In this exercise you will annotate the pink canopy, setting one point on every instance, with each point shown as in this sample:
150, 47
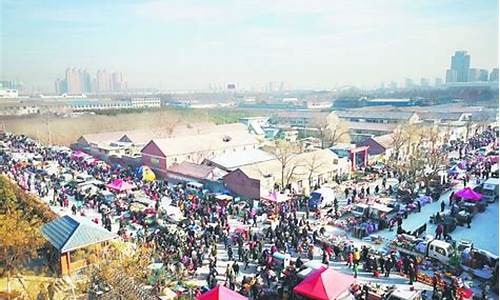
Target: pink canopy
221, 293
324, 284
494, 159
119, 185
468, 194
79, 154
274, 197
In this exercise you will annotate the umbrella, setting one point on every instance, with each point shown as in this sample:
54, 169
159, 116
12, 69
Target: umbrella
145, 173
468, 194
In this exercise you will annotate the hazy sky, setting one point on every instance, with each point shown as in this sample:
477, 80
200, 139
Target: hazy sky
186, 44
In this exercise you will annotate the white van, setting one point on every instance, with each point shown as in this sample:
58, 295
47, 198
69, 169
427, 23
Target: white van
490, 190
325, 197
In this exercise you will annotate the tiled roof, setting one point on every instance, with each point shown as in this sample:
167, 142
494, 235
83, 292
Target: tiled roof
365, 114
205, 142
384, 127
197, 171
385, 140
69, 233
441, 116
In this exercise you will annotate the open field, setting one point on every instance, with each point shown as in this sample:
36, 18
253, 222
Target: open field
64, 131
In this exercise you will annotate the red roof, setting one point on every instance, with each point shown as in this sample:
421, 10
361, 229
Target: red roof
324, 284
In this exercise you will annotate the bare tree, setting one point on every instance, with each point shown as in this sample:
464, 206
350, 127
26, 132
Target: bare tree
285, 152
335, 131
313, 165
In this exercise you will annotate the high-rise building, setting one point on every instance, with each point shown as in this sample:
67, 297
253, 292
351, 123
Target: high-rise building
494, 75
473, 75
483, 75
438, 82
460, 62
60, 86
86, 81
73, 82
116, 81
393, 85
424, 82
451, 75
103, 81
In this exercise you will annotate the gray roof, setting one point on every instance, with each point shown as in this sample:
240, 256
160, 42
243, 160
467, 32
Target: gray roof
69, 233
365, 114
382, 127
484, 116
234, 160
441, 116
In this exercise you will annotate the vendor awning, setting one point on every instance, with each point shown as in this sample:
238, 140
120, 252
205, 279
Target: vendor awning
79, 154
275, 197
221, 293
119, 185
324, 284
468, 194
69, 233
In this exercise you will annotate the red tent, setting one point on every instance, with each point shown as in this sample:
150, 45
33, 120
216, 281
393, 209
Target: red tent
324, 284
468, 194
119, 185
221, 293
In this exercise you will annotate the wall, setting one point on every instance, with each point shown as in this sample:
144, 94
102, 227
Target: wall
154, 158
243, 186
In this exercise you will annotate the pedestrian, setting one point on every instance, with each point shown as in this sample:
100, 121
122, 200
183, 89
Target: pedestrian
412, 273
355, 271
439, 231
349, 259
450, 199
442, 206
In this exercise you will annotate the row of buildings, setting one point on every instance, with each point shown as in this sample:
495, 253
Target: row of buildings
460, 70
226, 157
82, 104
232, 157
79, 81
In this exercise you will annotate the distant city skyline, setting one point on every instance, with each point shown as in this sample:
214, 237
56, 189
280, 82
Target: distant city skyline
188, 45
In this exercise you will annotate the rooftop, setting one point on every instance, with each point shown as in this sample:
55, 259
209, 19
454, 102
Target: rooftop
322, 160
367, 114
383, 127
234, 160
385, 140
197, 171
205, 142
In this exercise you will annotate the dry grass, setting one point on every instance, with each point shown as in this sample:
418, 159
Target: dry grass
64, 131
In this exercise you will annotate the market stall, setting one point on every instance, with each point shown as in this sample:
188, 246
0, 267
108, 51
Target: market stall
120, 186
325, 284
221, 293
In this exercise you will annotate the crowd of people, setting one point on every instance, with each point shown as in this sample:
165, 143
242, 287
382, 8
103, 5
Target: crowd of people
233, 246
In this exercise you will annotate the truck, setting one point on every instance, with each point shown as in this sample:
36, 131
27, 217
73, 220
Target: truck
405, 294
373, 211
426, 247
489, 189
321, 198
